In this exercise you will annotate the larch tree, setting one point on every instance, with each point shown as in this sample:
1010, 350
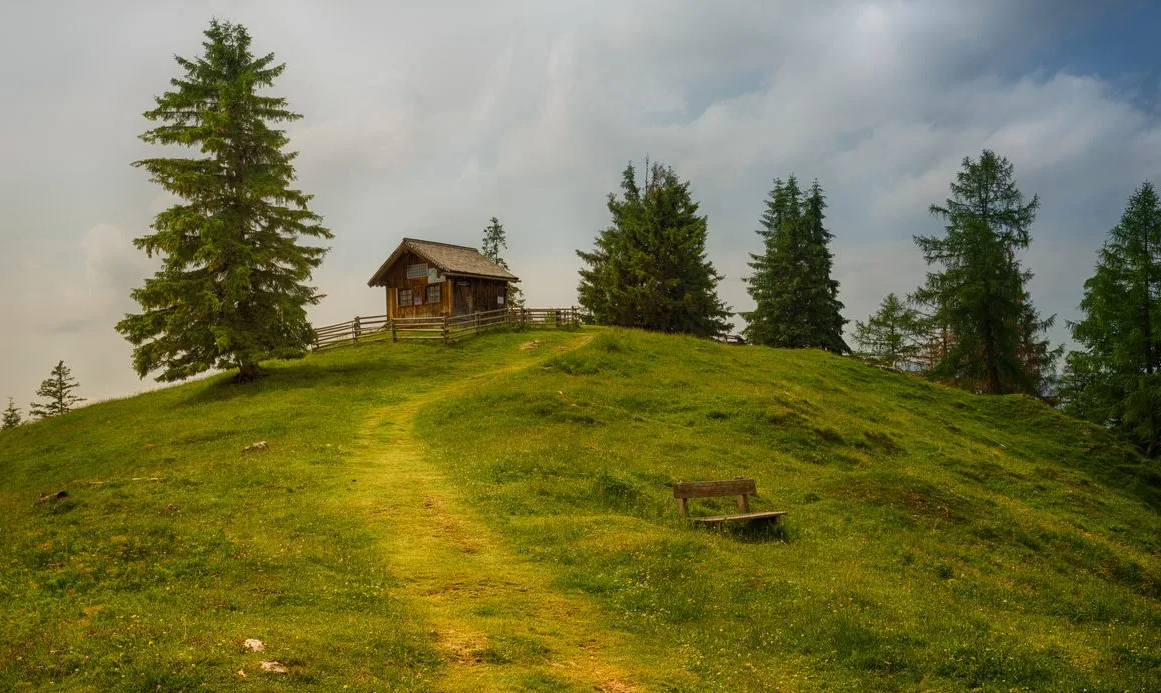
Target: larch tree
11, 417
649, 268
232, 287
493, 242
894, 335
57, 393
1116, 380
979, 294
796, 299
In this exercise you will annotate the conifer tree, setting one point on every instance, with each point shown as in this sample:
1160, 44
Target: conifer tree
796, 300
894, 335
1117, 379
493, 242
231, 290
11, 417
649, 268
57, 391
997, 342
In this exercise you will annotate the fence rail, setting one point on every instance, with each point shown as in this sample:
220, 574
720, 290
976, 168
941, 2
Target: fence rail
443, 328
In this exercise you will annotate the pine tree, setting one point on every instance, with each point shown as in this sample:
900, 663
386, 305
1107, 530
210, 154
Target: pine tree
11, 417
894, 335
1117, 379
796, 300
57, 389
996, 340
649, 269
493, 242
231, 289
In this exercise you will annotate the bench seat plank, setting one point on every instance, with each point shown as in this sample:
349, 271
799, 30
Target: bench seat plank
708, 489
770, 515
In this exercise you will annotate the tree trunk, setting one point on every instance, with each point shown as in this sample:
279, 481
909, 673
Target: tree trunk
1151, 449
248, 371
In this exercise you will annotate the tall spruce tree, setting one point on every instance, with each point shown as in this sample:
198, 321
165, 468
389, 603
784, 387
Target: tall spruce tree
231, 291
57, 391
649, 269
894, 335
1117, 379
493, 242
796, 300
997, 342
11, 417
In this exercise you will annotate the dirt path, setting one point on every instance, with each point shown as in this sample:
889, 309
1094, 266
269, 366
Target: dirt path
493, 614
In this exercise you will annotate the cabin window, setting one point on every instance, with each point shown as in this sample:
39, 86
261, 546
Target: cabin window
405, 297
417, 271
433, 293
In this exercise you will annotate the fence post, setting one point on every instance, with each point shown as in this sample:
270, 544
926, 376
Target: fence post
445, 329
356, 329
477, 322
394, 337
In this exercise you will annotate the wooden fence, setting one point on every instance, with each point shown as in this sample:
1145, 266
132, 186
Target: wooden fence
444, 328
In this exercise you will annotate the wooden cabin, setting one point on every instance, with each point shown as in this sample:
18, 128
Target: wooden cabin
429, 279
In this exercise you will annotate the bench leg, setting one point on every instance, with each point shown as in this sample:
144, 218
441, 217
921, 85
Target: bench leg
743, 504
681, 509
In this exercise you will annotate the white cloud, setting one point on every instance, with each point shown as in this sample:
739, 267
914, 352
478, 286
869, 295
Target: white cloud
426, 121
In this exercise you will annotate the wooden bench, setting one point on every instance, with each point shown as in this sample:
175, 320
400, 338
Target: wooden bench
708, 489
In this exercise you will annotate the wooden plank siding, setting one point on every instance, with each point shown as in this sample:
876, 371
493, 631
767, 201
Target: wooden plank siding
459, 295
397, 279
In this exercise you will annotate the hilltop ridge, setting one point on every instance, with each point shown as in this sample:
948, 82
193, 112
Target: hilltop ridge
496, 515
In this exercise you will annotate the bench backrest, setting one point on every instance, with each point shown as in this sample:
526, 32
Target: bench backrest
707, 489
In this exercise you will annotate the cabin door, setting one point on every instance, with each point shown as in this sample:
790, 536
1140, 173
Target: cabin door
465, 302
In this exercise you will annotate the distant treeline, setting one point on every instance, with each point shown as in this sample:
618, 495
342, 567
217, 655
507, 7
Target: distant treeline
971, 323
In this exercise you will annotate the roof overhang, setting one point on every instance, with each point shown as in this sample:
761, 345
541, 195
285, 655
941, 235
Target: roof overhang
377, 278
480, 276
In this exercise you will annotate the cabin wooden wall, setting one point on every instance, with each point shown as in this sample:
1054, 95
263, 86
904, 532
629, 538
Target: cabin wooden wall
396, 278
458, 295
474, 295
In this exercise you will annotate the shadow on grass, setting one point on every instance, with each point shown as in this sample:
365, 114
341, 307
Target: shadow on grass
755, 532
308, 375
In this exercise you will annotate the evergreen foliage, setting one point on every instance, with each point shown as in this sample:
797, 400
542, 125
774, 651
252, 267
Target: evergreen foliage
231, 289
11, 417
1117, 379
997, 342
649, 268
57, 391
493, 242
796, 299
894, 335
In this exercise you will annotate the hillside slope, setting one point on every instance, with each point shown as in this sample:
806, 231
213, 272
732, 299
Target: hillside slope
497, 516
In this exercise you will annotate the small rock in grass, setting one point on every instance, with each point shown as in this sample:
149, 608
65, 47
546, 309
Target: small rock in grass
49, 497
273, 666
253, 645
255, 447
241, 673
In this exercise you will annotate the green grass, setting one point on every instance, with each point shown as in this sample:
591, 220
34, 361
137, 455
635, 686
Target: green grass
936, 539
174, 546
497, 515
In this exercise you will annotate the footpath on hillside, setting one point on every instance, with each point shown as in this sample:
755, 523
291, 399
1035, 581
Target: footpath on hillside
494, 615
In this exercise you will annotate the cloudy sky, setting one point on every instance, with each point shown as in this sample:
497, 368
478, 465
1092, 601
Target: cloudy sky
425, 119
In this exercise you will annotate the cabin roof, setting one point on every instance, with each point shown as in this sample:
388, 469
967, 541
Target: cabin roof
451, 260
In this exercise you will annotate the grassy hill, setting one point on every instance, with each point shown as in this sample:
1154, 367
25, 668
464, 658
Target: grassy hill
497, 515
